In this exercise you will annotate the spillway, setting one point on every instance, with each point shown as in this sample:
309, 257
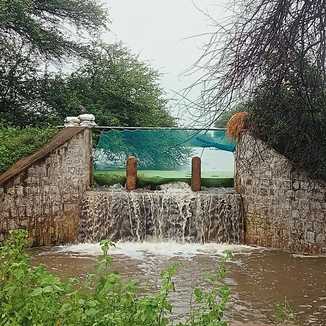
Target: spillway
169, 214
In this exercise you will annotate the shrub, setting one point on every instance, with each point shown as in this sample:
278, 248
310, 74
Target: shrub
290, 115
32, 296
18, 143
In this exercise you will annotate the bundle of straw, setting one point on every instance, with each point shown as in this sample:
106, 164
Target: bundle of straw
237, 124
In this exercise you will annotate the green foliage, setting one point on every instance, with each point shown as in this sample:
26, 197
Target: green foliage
110, 82
207, 311
41, 26
284, 313
114, 85
290, 115
33, 34
18, 143
32, 296
20, 101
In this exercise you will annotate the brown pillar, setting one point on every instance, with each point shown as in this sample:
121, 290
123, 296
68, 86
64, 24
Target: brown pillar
131, 183
196, 174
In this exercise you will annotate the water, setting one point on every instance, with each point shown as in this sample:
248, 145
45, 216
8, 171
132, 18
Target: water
174, 213
258, 278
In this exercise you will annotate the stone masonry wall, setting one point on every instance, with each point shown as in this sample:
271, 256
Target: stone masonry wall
283, 208
45, 197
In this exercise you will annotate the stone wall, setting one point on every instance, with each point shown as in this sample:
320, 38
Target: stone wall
283, 208
44, 194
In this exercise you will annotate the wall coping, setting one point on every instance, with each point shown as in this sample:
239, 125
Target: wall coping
58, 140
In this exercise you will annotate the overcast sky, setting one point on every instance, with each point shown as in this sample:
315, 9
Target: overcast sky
161, 31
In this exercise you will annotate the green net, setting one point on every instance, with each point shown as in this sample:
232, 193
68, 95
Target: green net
163, 155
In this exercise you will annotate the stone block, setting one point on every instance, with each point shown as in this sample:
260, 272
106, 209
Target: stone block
13, 211
23, 223
264, 192
310, 237
296, 185
69, 207
320, 238
29, 211
21, 211
11, 224
295, 213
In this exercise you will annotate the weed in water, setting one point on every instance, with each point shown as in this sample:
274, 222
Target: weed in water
284, 313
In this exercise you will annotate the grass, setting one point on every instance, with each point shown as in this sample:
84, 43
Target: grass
154, 178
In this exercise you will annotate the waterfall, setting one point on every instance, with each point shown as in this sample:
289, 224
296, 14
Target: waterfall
173, 213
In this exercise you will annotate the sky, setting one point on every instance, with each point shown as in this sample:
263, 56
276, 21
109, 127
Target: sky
162, 33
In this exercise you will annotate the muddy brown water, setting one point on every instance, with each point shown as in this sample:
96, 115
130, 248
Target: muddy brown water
258, 278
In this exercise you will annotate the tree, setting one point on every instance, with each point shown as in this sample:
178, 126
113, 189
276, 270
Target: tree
50, 28
34, 34
271, 55
18, 83
110, 82
114, 85
262, 38
280, 116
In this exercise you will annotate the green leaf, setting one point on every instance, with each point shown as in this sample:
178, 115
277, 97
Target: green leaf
48, 289
37, 292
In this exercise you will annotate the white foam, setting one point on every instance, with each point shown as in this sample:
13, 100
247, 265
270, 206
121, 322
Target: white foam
140, 250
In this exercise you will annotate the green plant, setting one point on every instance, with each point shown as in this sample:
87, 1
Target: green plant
284, 313
113, 84
33, 296
210, 304
291, 118
33, 35
18, 143
28, 296
110, 82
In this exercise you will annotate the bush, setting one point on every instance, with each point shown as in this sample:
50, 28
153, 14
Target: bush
291, 117
18, 143
32, 296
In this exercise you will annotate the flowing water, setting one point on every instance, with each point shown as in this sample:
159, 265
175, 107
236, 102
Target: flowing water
258, 278
173, 213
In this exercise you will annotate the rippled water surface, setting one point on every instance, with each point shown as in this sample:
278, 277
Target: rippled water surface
258, 278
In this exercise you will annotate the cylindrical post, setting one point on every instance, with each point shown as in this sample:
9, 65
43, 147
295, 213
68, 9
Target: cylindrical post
131, 183
196, 174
